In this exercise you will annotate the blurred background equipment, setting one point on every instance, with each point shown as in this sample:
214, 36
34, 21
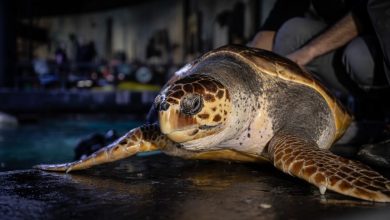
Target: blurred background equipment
53, 52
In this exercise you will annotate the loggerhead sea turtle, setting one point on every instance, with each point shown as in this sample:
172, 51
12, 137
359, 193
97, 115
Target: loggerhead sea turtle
243, 104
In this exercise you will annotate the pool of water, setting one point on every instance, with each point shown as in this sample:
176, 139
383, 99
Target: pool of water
52, 140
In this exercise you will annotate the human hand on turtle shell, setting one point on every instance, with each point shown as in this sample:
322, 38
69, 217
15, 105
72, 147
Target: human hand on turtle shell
302, 56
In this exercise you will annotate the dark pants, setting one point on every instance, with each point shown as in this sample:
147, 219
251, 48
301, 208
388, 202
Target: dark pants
379, 12
357, 58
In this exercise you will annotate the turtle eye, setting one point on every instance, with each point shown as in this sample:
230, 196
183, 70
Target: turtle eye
191, 104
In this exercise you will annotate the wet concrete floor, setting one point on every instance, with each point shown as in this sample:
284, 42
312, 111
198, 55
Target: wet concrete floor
162, 187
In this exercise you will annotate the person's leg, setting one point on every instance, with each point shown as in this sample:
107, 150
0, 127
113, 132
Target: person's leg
359, 63
378, 154
294, 34
379, 12
362, 59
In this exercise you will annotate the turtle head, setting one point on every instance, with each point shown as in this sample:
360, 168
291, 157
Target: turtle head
192, 108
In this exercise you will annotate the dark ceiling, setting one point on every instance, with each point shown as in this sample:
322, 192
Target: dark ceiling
43, 8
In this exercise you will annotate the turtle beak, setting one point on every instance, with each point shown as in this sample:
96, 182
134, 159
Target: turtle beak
165, 117
176, 125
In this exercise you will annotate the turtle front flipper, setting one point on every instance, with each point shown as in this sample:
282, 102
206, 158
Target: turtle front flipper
302, 158
141, 139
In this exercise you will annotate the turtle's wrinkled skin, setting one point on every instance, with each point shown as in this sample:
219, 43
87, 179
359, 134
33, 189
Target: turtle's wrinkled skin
243, 104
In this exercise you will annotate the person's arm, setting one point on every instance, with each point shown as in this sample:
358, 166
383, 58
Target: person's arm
335, 37
263, 40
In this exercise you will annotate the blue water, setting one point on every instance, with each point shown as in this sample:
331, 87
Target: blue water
52, 140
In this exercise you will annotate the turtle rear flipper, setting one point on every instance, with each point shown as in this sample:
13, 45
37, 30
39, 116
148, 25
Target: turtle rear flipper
141, 139
302, 158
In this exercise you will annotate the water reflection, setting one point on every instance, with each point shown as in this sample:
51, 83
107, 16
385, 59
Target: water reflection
99, 184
